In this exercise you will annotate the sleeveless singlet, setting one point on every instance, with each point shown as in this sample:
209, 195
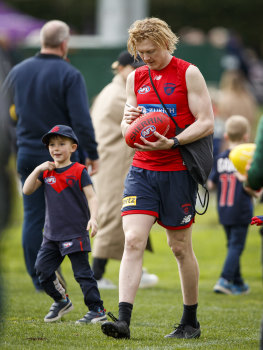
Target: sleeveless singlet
171, 86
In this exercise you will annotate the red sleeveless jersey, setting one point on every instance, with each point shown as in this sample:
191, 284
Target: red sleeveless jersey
171, 86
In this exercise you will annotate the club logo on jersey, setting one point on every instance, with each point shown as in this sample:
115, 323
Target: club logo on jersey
169, 88
51, 180
148, 131
71, 180
157, 77
129, 201
144, 89
67, 244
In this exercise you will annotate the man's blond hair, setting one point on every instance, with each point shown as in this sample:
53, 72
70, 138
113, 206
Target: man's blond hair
153, 29
237, 127
53, 33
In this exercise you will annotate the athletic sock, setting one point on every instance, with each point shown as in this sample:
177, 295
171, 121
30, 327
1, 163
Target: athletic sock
189, 315
125, 311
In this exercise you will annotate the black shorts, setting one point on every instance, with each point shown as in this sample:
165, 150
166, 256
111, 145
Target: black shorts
170, 196
69, 246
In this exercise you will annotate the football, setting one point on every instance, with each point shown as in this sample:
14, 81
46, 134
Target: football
145, 126
241, 155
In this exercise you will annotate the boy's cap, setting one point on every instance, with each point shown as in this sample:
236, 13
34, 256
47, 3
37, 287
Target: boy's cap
61, 130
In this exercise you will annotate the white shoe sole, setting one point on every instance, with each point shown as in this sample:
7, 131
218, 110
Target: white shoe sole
93, 321
222, 290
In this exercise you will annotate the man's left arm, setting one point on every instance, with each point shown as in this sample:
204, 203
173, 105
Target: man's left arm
200, 106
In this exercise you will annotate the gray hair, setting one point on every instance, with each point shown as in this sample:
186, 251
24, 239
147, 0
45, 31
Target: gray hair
53, 33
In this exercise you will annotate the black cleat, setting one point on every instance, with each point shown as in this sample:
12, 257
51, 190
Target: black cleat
183, 331
116, 329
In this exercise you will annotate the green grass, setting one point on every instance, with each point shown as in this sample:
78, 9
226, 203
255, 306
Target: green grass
227, 322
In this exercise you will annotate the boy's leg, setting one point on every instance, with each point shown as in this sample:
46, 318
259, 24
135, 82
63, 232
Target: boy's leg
231, 281
85, 277
47, 262
236, 244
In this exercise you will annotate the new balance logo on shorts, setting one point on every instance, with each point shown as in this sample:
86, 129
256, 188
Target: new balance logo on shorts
186, 219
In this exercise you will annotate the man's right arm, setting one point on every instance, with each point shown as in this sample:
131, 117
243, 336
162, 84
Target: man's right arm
130, 113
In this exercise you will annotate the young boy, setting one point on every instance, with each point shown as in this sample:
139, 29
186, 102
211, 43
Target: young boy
235, 207
71, 211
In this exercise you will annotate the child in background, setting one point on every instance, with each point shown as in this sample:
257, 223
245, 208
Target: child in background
235, 207
71, 211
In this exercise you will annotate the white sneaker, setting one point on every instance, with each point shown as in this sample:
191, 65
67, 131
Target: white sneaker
103, 283
148, 280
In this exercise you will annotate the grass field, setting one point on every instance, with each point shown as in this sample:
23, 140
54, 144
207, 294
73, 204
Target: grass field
227, 322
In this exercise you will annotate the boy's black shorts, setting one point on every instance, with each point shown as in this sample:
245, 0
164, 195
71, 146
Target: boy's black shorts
69, 246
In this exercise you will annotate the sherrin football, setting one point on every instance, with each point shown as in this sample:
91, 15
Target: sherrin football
145, 126
241, 155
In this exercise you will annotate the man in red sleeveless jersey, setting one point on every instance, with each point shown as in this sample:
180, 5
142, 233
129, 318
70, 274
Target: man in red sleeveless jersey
159, 183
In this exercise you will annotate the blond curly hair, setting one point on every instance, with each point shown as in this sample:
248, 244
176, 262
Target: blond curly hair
154, 29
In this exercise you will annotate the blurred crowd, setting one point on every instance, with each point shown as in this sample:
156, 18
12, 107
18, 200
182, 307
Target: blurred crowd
240, 88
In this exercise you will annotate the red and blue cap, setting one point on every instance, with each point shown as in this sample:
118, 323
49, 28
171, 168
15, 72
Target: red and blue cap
61, 130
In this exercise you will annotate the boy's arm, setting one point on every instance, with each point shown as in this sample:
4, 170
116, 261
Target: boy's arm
93, 208
32, 183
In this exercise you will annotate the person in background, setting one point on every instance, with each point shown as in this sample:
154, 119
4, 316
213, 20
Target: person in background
71, 212
254, 181
46, 90
107, 113
236, 98
235, 207
158, 181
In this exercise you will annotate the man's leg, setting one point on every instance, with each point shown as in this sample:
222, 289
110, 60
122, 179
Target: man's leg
34, 216
136, 228
180, 241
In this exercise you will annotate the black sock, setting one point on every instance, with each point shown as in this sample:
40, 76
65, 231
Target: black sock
125, 310
189, 315
98, 267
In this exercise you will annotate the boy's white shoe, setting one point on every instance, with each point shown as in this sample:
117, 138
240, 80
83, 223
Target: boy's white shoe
148, 279
104, 283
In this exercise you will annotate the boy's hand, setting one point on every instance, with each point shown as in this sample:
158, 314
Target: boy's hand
257, 220
92, 224
46, 166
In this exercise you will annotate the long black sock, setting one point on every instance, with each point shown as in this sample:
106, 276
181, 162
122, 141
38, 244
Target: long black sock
98, 267
125, 311
189, 315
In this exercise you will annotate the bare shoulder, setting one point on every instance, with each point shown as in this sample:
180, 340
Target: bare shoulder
130, 78
194, 78
130, 82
